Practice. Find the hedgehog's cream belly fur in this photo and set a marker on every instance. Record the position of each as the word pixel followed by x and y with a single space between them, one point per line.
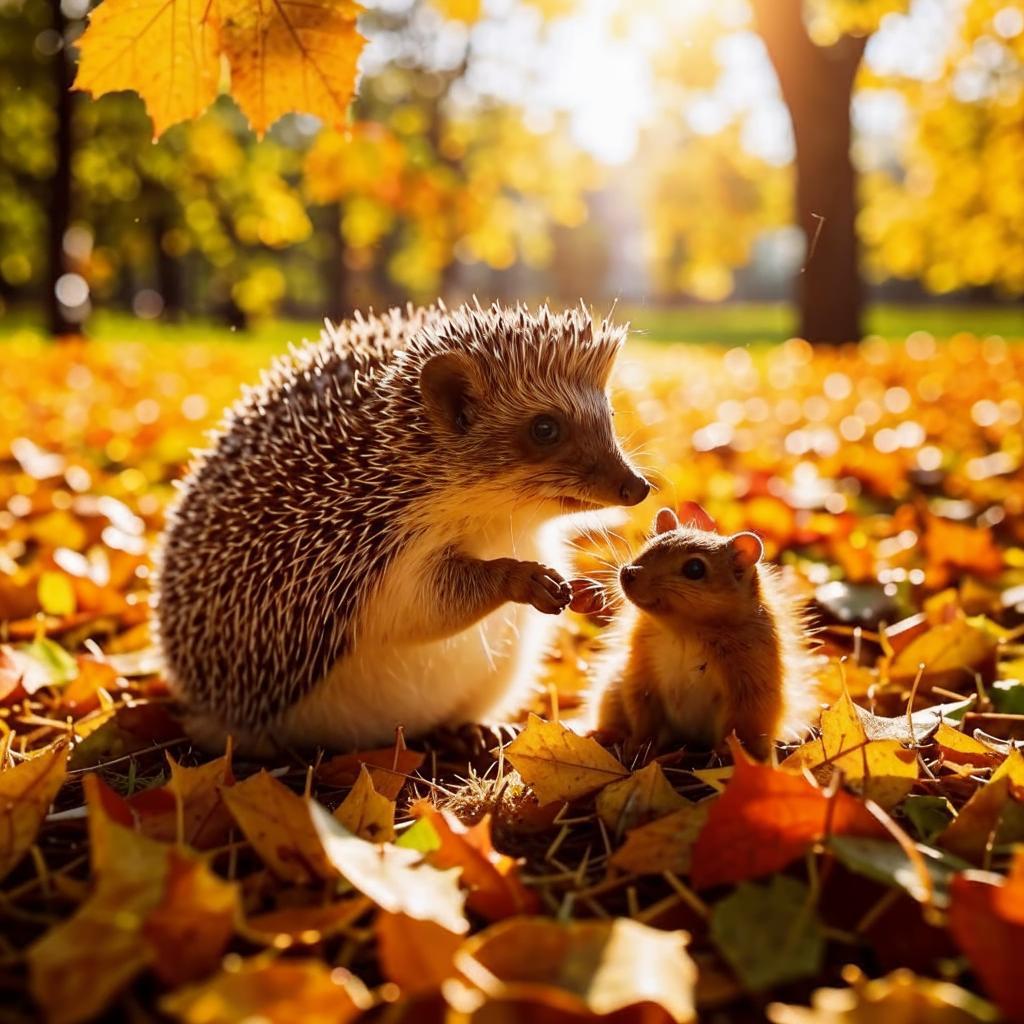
pixel 480 674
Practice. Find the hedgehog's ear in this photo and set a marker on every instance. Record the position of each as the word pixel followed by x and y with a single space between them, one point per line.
pixel 450 386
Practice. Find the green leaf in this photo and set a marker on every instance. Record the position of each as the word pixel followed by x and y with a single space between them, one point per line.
pixel 928 814
pixel 58 665
pixel 769 933
pixel 421 836
pixel 1008 696
pixel 886 862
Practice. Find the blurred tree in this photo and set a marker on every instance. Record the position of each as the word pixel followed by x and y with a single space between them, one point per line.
pixel 952 213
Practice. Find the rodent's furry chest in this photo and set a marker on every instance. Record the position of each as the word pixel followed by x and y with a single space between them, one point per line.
pixel 691 680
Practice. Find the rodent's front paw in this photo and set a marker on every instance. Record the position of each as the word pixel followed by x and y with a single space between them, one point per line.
pixel 587 596
pixel 536 584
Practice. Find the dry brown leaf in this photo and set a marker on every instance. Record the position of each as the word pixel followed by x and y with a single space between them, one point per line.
pixel 277 823
pixel 165 50
pixel 663 845
pixel 558 764
pixel 148 899
pixel 272 992
pixel 960 748
pixel 364 812
pixel 581 966
pixel 972 831
pixel 26 792
pixel 416 955
pixel 644 796
pixel 389 769
pixel 292 56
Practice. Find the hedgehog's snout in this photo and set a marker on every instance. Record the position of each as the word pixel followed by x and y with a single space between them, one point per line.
pixel 634 489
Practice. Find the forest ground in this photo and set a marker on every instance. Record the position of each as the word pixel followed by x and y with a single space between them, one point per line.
pixel 887 478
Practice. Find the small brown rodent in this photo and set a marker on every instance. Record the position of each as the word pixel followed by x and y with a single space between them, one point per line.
pixel 712 642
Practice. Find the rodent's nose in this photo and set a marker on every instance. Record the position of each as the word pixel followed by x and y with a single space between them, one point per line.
pixel 634 490
pixel 628 573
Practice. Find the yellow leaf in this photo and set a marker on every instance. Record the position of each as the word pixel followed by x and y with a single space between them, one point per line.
pixel 951 652
pixel 56 594
pixel 663 845
pixel 288 56
pixel 26 792
pixel 165 50
pixel 271 991
pixel 364 812
pixel 645 795
pixel 560 765
pixel 278 825
pixel 396 879
pixel 583 966
pixel 960 748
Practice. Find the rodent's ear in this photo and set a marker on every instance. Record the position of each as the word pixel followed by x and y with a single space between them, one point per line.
pixel 694 515
pixel 747 550
pixel 665 521
pixel 450 386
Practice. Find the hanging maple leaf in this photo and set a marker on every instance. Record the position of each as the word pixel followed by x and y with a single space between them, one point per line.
pixel 284 56
pixel 168 51
pixel 288 55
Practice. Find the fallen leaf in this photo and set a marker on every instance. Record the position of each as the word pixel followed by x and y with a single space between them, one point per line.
pixel 389 770
pixel 665 844
pixel 962 749
pixel 769 934
pixel 273 991
pixel 491 878
pixel 165 50
pixel 147 898
pixel 887 862
pixel 766 818
pixel 986 918
pixel 951 653
pixel 416 955
pixel 930 815
pixel 292 57
pixel 364 812
pixel 644 796
pixel 977 824
pixel 898 998
pixel 396 879
pixel 26 792
pixel 189 929
pixel 598 967
pixel 278 824
pixel 558 764
pixel 204 818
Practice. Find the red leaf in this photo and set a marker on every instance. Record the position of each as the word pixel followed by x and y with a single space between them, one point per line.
pixel 986 918
pixel 767 818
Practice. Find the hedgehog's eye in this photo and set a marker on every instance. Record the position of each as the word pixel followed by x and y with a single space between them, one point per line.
pixel 545 430
pixel 694 569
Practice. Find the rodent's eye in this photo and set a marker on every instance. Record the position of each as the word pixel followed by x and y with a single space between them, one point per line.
pixel 545 430
pixel 694 569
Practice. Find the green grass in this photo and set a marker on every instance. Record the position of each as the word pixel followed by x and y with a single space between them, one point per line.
pixel 728 324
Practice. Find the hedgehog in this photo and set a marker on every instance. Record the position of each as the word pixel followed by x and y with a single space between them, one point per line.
pixel 369 541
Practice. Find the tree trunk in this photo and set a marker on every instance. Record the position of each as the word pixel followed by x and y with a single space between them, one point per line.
pixel 817 86
pixel 60 186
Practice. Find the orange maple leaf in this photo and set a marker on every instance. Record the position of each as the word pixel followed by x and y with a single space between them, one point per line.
pixel 765 819
pixel 290 55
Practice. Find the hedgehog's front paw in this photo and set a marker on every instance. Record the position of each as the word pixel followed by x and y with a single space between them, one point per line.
pixel 536 584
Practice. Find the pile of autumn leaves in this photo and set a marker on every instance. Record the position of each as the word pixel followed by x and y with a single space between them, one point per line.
pixel 155 902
